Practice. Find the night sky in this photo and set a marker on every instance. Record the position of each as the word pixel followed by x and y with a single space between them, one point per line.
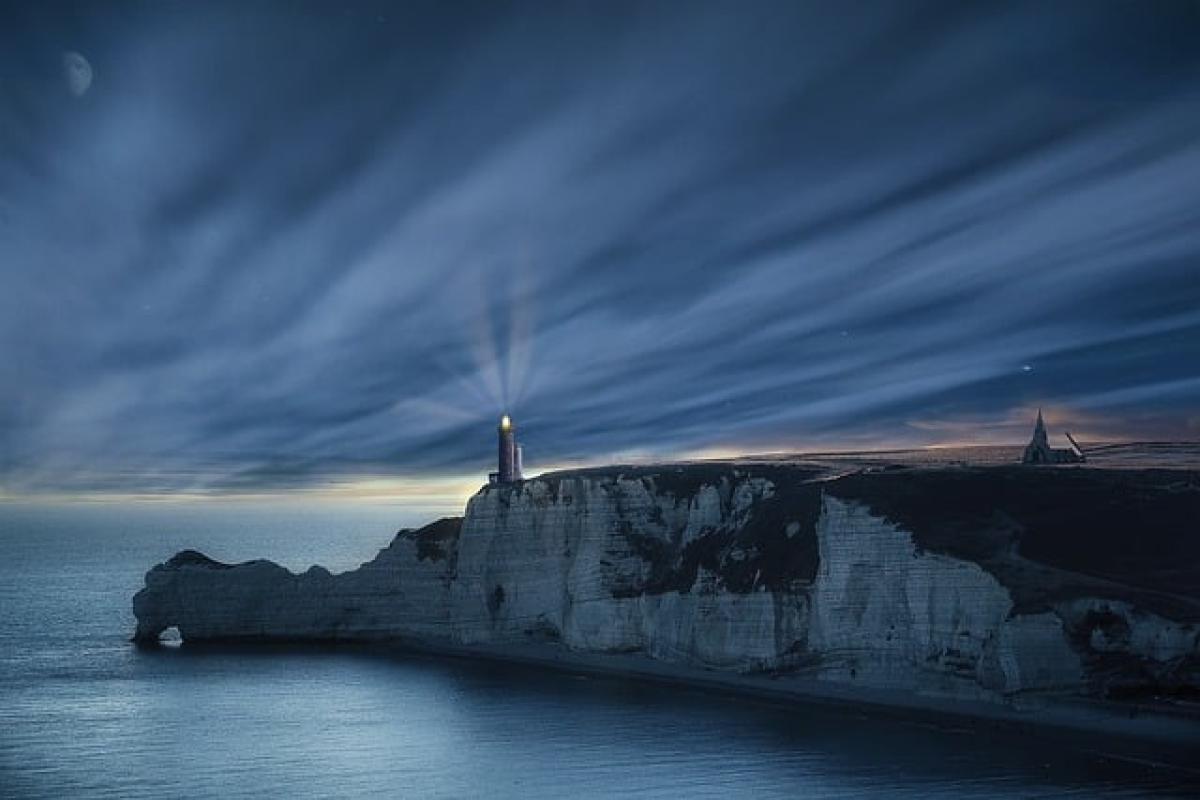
pixel 272 244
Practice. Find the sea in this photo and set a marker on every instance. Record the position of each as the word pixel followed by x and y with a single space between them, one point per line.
pixel 85 713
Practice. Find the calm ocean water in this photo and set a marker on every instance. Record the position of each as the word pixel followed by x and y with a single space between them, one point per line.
pixel 85 714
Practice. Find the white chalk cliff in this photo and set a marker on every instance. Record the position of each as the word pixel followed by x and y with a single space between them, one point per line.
pixel 748 569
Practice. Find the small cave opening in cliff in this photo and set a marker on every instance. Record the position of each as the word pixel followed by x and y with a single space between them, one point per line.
pixel 495 600
pixel 170 637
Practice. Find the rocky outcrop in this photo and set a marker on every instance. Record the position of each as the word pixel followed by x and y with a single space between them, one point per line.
pixel 966 583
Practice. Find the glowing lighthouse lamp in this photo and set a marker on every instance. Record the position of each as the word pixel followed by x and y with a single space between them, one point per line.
pixel 510 454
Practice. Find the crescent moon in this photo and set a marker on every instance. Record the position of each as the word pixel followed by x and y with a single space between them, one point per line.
pixel 77 72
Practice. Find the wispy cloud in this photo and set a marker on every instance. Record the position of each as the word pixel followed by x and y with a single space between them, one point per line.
pixel 277 245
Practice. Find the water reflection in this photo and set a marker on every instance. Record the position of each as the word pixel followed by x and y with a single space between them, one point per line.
pixel 464 728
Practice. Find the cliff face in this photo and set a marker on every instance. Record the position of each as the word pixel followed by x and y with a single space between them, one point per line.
pixel 966 583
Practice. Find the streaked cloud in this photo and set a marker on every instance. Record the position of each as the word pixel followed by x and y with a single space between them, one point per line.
pixel 278 245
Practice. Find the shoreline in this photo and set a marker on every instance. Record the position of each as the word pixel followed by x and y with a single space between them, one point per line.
pixel 874 578
pixel 1043 713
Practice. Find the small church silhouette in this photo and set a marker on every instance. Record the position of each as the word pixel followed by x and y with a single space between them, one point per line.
pixel 1039 451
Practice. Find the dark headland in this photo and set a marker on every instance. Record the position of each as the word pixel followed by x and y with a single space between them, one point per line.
pixel 941 580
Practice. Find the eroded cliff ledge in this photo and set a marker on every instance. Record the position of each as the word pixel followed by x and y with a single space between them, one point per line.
pixel 979 583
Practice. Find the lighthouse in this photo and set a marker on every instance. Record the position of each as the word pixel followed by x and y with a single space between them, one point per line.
pixel 510 453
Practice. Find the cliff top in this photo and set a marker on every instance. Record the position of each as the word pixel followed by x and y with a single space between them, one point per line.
pixel 1100 455
pixel 1046 533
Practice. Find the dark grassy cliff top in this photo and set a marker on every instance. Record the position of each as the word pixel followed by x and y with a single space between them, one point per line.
pixel 1101 455
pixel 684 480
pixel 435 540
pixel 1048 534
pixel 194 558
pixel 1094 529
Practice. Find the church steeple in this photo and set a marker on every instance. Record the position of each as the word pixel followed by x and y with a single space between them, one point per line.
pixel 1039 432
pixel 1039 451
